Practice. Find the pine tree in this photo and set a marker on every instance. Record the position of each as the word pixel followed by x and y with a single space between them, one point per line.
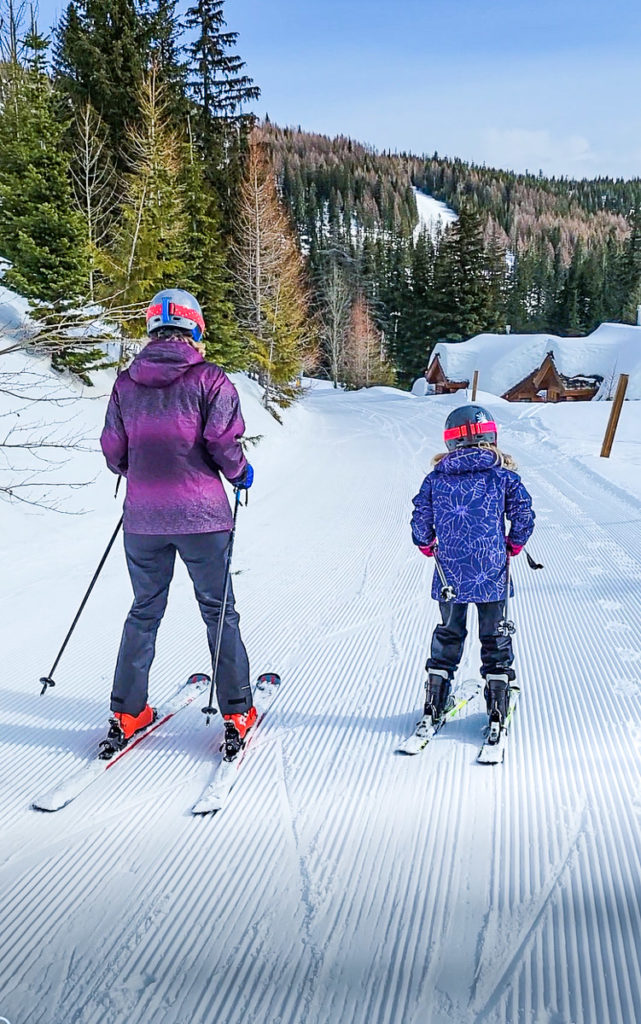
pixel 272 299
pixel 163 30
pixel 206 271
pixel 221 90
pixel 150 247
pixel 40 231
pixel 100 56
pixel 630 275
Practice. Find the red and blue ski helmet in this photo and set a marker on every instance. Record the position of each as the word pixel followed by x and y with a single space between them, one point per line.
pixel 174 307
pixel 469 425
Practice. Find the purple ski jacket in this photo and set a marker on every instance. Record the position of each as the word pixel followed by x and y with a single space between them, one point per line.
pixel 173 425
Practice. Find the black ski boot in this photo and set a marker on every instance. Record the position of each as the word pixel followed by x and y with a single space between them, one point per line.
pixel 437 692
pixel 113 742
pixel 497 696
pixel 234 743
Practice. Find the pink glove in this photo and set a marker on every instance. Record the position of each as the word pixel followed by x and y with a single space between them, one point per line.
pixel 514 549
pixel 428 549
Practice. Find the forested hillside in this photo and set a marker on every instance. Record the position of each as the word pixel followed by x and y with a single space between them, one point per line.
pixel 528 252
pixel 130 161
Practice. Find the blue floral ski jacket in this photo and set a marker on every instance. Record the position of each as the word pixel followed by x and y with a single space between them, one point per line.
pixel 464 502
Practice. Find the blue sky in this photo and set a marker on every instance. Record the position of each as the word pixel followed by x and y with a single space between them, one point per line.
pixel 521 84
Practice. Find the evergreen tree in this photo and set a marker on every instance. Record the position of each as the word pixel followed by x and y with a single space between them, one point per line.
pixel 164 30
pixel 221 90
pixel 100 56
pixel 40 231
pixel 630 275
pixel 206 271
pixel 462 292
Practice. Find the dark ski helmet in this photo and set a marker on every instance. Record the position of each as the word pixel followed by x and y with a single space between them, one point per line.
pixel 174 307
pixel 468 425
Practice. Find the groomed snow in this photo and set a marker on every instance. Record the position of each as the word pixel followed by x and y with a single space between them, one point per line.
pixel 342 883
pixel 433 215
pixel 504 360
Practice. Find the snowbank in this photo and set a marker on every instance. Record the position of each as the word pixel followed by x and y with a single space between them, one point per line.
pixel 505 359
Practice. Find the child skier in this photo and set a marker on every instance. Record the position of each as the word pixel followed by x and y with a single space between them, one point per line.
pixel 459 516
pixel 173 426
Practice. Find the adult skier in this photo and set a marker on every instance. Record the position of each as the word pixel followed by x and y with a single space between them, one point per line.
pixel 459 517
pixel 173 426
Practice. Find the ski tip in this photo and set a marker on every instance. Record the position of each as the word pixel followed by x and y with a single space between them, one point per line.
pixel 268 679
pixel 48 804
pixel 201 808
pixel 198 678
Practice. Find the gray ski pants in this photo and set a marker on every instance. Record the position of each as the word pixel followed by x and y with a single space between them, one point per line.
pixel 150 560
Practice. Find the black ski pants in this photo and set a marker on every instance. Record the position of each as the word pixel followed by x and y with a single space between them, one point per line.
pixel 150 560
pixel 449 637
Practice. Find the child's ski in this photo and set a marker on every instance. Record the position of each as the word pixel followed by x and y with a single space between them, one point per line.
pixel 493 753
pixel 426 729
pixel 214 796
pixel 77 781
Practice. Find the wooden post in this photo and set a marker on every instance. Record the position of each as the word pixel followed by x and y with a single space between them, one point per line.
pixel 613 422
pixel 475 384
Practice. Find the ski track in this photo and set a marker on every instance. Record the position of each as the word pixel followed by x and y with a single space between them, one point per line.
pixel 344 883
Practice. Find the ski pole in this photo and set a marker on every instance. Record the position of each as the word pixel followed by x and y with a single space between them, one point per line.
pixel 448 593
pixel 48 681
pixel 210 709
pixel 506 627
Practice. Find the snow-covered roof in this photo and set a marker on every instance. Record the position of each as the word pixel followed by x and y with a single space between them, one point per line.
pixel 504 360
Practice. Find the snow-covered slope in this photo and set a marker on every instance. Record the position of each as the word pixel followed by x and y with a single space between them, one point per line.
pixel 504 360
pixel 342 883
pixel 433 215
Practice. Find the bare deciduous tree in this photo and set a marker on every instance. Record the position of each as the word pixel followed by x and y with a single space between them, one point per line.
pixel 335 317
pixel 272 298
pixel 94 182
pixel 365 363
pixel 33 449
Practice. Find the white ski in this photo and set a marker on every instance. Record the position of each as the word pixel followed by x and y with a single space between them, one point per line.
pixel 426 729
pixel 493 753
pixel 214 796
pixel 77 781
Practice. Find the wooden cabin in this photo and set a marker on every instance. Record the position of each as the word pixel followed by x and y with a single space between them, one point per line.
pixel 546 384
pixel 442 386
pixel 543 384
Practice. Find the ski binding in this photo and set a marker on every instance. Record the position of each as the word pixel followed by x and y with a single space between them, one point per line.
pixel 215 794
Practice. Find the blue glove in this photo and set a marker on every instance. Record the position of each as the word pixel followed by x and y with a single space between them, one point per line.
pixel 245 481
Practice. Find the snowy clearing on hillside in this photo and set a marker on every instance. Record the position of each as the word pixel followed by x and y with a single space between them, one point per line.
pixel 433 215
pixel 341 883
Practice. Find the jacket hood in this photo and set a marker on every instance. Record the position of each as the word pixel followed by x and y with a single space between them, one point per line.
pixel 466 460
pixel 162 362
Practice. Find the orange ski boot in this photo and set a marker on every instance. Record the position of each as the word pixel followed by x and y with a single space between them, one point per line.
pixel 236 728
pixel 122 728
